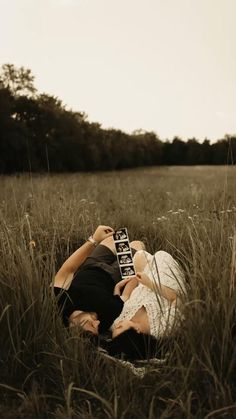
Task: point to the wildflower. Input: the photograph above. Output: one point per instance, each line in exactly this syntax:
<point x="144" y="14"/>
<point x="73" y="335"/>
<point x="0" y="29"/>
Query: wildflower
<point x="222" y="212"/>
<point x="229" y="210"/>
<point x="170" y="211"/>
<point x="83" y="200"/>
<point x="176" y="212"/>
<point x="32" y="244"/>
<point x="181" y="210"/>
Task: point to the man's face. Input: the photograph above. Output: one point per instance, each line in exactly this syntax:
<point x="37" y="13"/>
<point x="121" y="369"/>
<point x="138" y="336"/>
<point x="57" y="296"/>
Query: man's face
<point x="87" y="320"/>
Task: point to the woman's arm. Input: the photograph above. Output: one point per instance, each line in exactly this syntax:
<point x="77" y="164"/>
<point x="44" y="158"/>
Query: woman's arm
<point x="70" y="266"/>
<point x="125" y="287"/>
<point x="162" y="290"/>
<point x="129" y="287"/>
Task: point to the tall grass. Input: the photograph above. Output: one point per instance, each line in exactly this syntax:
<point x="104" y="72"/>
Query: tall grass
<point x="46" y="372"/>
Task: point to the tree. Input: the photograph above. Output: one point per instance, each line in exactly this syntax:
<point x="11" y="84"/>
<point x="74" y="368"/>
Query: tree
<point x="194" y="152"/>
<point x="19" y="81"/>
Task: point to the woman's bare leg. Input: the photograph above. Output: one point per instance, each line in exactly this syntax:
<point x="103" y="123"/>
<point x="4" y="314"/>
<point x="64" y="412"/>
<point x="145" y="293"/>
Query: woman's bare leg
<point x="137" y="245"/>
<point x="140" y="260"/>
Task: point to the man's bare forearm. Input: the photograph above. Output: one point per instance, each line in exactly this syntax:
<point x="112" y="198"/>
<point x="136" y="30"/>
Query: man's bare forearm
<point x="71" y="265"/>
<point x="78" y="257"/>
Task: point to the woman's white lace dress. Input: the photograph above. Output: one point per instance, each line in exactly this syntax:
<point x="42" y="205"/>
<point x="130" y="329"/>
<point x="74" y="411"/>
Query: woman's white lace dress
<point x="161" y="269"/>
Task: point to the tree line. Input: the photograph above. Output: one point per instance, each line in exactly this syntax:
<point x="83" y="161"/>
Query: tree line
<point x="38" y="134"/>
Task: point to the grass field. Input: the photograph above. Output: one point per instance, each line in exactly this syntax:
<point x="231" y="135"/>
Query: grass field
<point x="46" y="372"/>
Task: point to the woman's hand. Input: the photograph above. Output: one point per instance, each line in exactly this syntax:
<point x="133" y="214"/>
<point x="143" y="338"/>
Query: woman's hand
<point x="102" y="232"/>
<point x="129" y="287"/>
<point x="120" y="285"/>
<point x="144" y="279"/>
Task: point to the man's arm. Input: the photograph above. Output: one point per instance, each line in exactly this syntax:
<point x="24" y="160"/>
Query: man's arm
<point x="70" y="266"/>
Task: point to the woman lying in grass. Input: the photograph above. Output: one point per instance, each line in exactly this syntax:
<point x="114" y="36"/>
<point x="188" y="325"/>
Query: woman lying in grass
<point x="148" y="316"/>
<point x="90" y="294"/>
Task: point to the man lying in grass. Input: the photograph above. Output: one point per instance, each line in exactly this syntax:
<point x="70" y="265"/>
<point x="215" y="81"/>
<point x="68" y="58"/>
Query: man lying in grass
<point x="84" y="285"/>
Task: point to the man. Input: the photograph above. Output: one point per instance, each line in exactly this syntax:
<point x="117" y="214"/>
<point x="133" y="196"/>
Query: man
<point x="85" y="284"/>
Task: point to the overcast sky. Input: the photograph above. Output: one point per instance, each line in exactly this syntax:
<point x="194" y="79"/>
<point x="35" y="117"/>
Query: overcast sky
<point x="167" y="66"/>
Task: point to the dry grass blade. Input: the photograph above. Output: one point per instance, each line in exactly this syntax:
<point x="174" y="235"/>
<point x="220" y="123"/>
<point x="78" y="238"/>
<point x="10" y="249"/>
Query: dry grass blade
<point x="187" y="212"/>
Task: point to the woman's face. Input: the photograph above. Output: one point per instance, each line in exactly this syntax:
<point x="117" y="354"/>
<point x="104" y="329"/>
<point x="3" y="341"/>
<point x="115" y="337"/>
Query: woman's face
<point x="87" y="320"/>
<point x="122" y="326"/>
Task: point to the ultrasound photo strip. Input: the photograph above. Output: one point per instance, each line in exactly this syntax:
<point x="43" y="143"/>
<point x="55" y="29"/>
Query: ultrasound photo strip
<point x="127" y="271"/>
<point x="124" y="254"/>
<point x="122" y="247"/>
<point x="121" y="234"/>
<point x="125" y="259"/>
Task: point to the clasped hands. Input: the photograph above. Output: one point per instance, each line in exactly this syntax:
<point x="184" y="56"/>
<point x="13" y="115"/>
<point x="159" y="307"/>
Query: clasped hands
<point x="125" y="287"/>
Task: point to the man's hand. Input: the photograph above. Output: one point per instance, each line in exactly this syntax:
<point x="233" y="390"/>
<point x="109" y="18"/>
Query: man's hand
<point x="102" y="232"/>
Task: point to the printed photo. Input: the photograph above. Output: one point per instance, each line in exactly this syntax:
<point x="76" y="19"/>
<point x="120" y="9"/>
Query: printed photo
<point x="125" y="259"/>
<point x="120" y="234"/>
<point x="127" y="271"/>
<point x="122" y="247"/>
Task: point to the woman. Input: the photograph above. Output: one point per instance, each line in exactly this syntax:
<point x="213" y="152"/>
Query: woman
<point x="148" y="316"/>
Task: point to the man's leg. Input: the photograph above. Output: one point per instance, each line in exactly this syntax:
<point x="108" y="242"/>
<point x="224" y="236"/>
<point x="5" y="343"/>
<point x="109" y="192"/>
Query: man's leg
<point x="109" y="242"/>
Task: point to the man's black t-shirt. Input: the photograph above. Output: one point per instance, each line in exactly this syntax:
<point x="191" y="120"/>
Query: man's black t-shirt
<point x="91" y="290"/>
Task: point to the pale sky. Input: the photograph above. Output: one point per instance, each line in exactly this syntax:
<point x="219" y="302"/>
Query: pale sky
<point x="167" y="66"/>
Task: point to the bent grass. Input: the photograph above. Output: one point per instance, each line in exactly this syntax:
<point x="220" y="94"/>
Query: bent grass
<point x="46" y="371"/>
